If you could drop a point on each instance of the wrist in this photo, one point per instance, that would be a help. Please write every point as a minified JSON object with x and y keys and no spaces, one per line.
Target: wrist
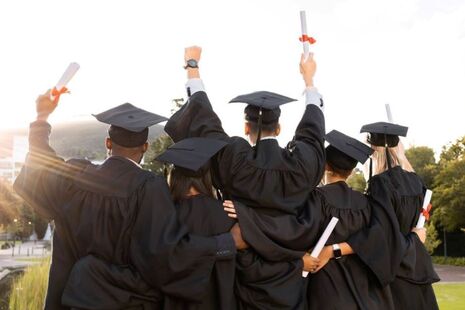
{"x":308,"y":81}
{"x":42,"y":117}
{"x":193,"y":73}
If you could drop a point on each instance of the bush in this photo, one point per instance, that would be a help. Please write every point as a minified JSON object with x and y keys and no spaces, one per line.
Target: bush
{"x":29,"y":290}
{"x":454,"y":261}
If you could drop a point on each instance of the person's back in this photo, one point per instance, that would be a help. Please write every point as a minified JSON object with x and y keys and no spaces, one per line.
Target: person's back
{"x":111,"y":214}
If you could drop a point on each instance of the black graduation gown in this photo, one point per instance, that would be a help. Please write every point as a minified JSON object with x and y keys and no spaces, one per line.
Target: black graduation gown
{"x":345,"y":283}
{"x":123,"y":216}
{"x":277,"y":178}
{"x":204,"y":216}
{"x":412,"y":287}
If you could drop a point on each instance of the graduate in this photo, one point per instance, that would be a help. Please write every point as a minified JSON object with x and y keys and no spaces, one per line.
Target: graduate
{"x":198,"y":208}
{"x":114,"y":213}
{"x":412,"y":286}
{"x":344,"y":282}
{"x":258,"y":172}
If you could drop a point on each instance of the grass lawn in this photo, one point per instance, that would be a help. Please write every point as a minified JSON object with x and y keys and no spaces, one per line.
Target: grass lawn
{"x":450,"y":296}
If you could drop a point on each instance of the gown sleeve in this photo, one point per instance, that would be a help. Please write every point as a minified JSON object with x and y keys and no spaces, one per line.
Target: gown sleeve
{"x":380,"y":245}
{"x":166,"y":256}
{"x":43,"y":179}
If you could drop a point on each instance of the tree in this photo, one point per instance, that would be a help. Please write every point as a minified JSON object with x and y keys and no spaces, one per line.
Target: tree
{"x":449,"y":187}
{"x":156,"y":148}
{"x":432,"y":237}
{"x":424,"y":163}
{"x":357,"y":181}
{"x":10,"y":203}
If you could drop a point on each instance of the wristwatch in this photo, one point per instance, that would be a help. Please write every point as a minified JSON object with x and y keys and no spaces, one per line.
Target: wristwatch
{"x":191,"y":63}
{"x":337,"y":251}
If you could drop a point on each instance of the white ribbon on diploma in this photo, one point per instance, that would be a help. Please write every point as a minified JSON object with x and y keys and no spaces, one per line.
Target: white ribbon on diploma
{"x":426,"y":202}
{"x":303,"y":24}
{"x":322,"y":241}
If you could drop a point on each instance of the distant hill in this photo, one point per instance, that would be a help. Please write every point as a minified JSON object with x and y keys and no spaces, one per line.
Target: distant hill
{"x":79,"y":139}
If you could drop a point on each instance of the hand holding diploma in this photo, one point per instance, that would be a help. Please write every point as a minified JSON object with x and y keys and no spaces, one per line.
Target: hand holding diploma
{"x":60,"y":87}
{"x":322,"y":241}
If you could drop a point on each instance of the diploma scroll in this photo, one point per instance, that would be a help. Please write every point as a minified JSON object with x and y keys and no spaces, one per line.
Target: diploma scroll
{"x":426,"y":206}
{"x":389,"y":114}
{"x":303,"y":24}
{"x":60,"y":87}
{"x":322,"y":241}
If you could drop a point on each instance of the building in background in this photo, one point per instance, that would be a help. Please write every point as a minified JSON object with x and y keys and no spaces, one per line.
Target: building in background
{"x":13,"y":150}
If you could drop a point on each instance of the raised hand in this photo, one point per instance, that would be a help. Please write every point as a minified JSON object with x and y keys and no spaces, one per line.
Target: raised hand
{"x":45,"y":106}
{"x":307,"y":69}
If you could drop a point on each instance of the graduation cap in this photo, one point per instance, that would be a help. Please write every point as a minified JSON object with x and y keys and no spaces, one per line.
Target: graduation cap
{"x":192,"y":155}
{"x":129,"y":124}
{"x":384,"y":134}
{"x":344,"y":152}
{"x":262,"y":108}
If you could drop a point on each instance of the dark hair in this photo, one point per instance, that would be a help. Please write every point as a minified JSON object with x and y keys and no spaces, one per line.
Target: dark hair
{"x":339,"y":162}
{"x":272,"y":127}
{"x":180,"y":184}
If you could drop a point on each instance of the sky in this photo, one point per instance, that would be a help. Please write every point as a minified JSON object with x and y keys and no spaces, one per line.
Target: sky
{"x":408,"y":53}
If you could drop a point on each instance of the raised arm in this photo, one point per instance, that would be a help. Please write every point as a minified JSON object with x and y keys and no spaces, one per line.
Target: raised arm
{"x":41,"y":179}
{"x":308,"y":143}
{"x":196,"y":118}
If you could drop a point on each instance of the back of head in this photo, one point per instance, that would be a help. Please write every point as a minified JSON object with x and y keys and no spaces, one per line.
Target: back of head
{"x":339,"y":162}
{"x":182,"y":183}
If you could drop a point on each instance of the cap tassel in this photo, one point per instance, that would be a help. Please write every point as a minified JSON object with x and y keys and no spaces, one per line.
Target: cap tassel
{"x":371,"y":169}
{"x":259,"y":134}
{"x":388,"y":156}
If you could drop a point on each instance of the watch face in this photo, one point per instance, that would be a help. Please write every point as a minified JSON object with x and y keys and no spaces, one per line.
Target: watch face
{"x":192,"y":63}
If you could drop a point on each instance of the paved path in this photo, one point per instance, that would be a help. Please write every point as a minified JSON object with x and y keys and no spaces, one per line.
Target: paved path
{"x":450,"y":273}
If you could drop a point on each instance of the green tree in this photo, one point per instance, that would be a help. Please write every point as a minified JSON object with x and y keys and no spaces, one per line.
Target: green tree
{"x":10,"y":203}
{"x":156,"y":148}
{"x":432,"y":237}
{"x":449,"y":187}
{"x":422,"y":160}
{"x":357,"y":181}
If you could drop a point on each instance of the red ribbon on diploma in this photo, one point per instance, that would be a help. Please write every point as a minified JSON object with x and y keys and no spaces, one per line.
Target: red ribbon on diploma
{"x":306,"y":38}
{"x":426,"y":212}
{"x":57,"y":93}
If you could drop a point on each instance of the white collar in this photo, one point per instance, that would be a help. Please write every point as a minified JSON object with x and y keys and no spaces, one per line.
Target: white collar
{"x":268,"y":138}
{"x":135,"y":163}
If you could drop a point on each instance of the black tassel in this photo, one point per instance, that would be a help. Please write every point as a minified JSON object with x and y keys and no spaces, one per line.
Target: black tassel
{"x":259,"y":134}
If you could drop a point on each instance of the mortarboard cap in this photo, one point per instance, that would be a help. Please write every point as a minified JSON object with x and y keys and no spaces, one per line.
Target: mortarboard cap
{"x":382,"y":133}
{"x":344,"y":152}
{"x":268,"y":102}
{"x":192,"y":154}
{"x":129,"y":124}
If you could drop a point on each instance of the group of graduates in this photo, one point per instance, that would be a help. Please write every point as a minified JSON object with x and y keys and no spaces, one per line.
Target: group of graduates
{"x":233,"y":225}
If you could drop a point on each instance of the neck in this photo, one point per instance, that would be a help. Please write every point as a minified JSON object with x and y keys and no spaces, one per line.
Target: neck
{"x":192,"y":192}
{"x":333,"y":178}
{"x":134,"y":157}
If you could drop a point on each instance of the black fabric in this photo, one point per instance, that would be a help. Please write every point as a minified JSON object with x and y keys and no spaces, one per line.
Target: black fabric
{"x":412,"y":265}
{"x":385,"y":128}
{"x":349,"y":146}
{"x":127,"y":138}
{"x":191,"y":153}
{"x":129,"y":117}
{"x":263,"y":99}
{"x":276,"y":178}
{"x":378,"y":139}
{"x":252,"y":114}
{"x":346,"y":283}
{"x":338,"y":159}
{"x":273,"y":186}
{"x":116,"y":212}
{"x":204,"y":216}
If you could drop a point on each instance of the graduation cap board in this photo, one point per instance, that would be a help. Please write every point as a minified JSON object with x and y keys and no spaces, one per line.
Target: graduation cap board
{"x":344,"y":152}
{"x":386,"y":135}
{"x":129,"y":124}
{"x":192,"y":154}
{"x":263,"y":108}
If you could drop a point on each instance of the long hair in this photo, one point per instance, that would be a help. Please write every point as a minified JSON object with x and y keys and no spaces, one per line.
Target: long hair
{"x":180,"y":184}
{"x":397,"y":155}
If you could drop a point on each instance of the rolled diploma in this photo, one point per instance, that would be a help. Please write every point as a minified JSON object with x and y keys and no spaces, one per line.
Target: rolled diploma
{"x":322,"y":241}
{"x":67,"y":76}
{"x":303,"y":24}
{"x":426,"y":201}
{"x":388,"y":112}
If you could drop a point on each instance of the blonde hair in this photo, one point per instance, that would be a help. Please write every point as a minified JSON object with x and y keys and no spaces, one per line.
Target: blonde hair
{"x":397,"y":155}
